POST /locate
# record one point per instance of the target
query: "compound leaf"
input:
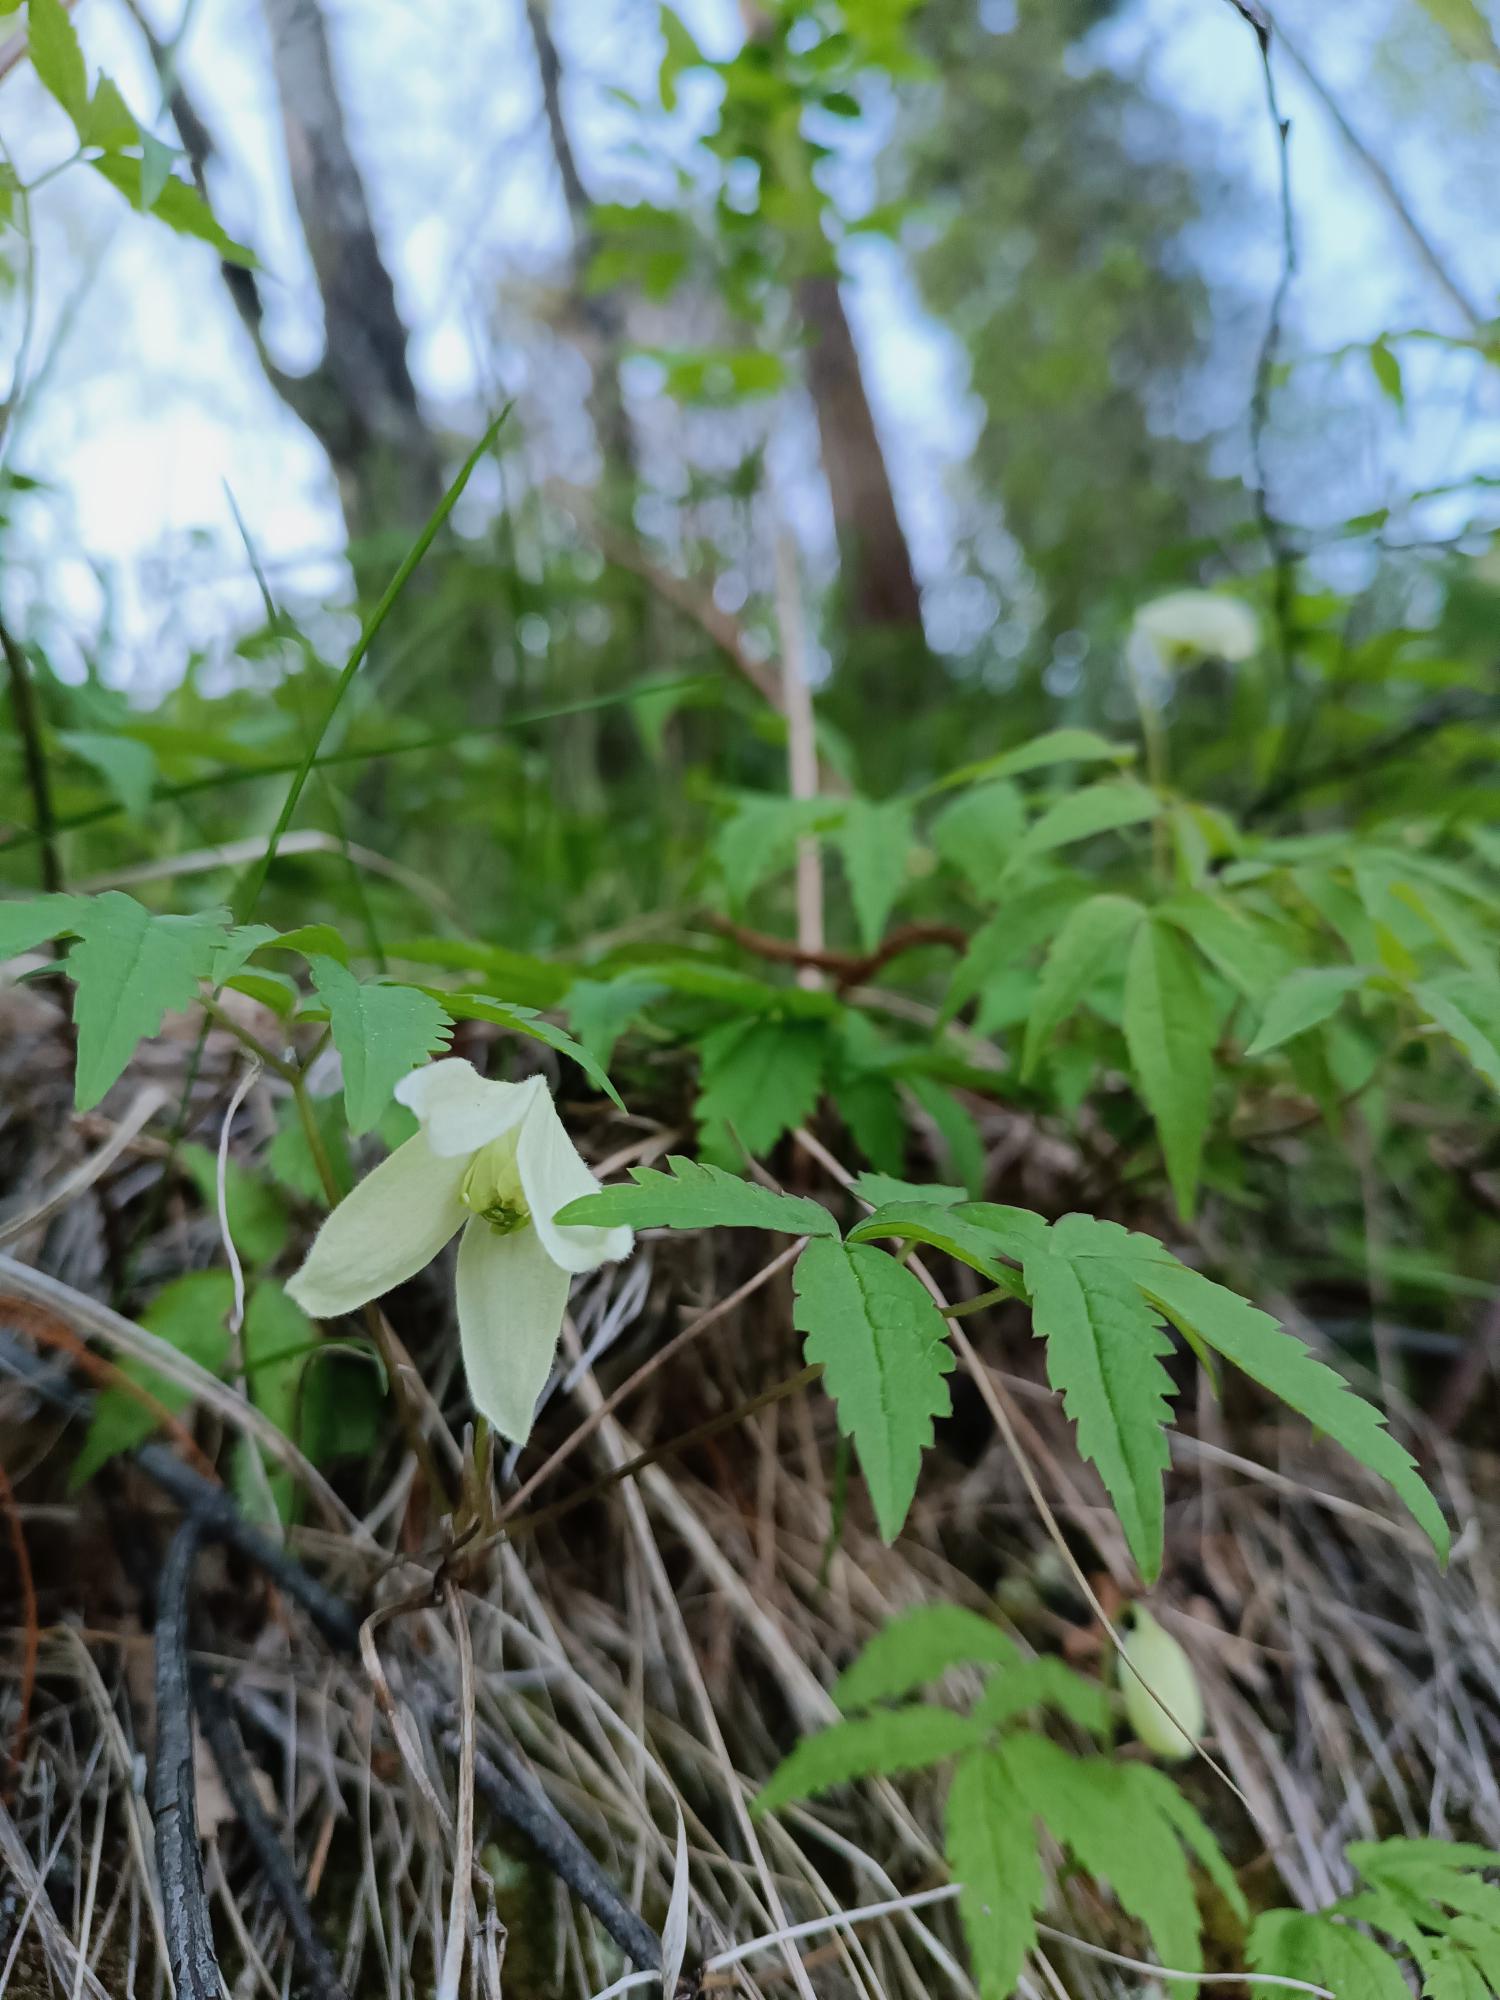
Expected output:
(882, 1343)
(879, 1745)
(1170, 1029)
(917, 1648)
(759, 1078)
(1104, 1352)
(1081, 950)
(992, 1849)
(381, 1033)
(130, 969)
(693, 1196)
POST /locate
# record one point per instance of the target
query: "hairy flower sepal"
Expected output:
(492, 1160)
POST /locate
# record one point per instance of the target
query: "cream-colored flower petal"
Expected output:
(511, 1300)
(1199, 624)
(394, 1222)
(552, 1175)
(459, 1109)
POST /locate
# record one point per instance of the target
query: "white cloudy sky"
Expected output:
(151, 410)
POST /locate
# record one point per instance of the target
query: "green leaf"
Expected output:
(1170, 1030)
(1112, 1824)
(979, 833)
(600, 1010)
(157, 162)
(127, 767)
(526, 1021)
(57, 57)
(23, 926)
(1421, 1862)
(870, 1105)
(942, 1227)
(177, 204)
(992, 1850)
(1466, 1010)
(309, 941)
(1081, 951)
(533, 982)
(1194, 1834)
(1045, 1683)
(874, 841)
(1024, 922)
(1292, 1944)
(1104, 1352)
(681, 53)
(883, 1346)
(1265, 1352)
(919, 1647)
(759, 1079)
(1017, 1232)
(190, 1312)
(1465, 22)
(879, 1745)
(1302, 1001)
(1105, 808)
(959, 1135)
(879, 1189)
(1057, 746)
(257, 1219)
(1253, 954)
(109, 122)
(381, 1033)
(762, 836)
(131, 969)
(276, 990)
(690, 1196)
(1385, 366)
(237, 949)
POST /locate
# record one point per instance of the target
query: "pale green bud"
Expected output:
(1168, 1672)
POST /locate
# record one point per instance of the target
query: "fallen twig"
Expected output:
(564, 1853)
(174, 1801)
(223, 1736)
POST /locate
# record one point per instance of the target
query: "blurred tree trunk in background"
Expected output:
(359, 402)
(387, 461)
(879, 589)
(598, 320)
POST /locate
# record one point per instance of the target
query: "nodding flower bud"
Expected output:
(1167, 1672)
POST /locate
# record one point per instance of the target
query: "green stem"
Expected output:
(51, 173)
(222, 1018)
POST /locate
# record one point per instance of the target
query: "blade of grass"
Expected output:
(245, 903)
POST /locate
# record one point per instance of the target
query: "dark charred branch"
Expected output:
(513, 1795)
(174, 1799)
(224, 1742)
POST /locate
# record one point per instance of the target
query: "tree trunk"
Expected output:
(387, 461)
(598, 319)
(879, 588)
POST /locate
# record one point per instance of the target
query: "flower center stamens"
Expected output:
(492, 1187)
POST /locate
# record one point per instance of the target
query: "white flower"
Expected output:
(493, 1160)
(1192, 625)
